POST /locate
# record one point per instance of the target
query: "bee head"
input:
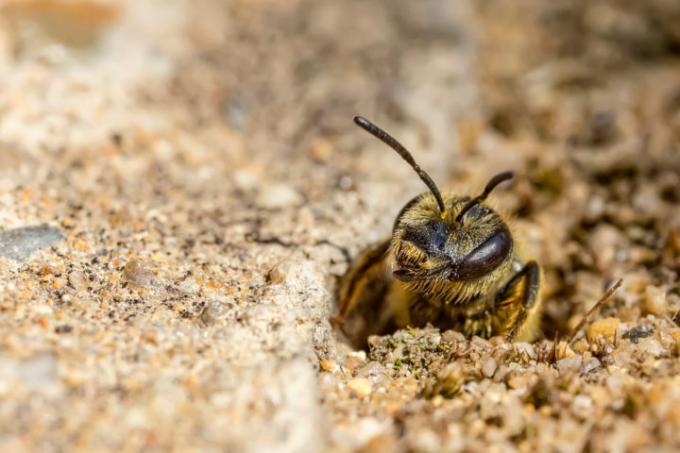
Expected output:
(457, 239)
(454, 248)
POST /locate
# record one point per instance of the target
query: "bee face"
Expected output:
(430, 246)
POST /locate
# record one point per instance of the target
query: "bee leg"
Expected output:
(361, 295)
(521, 296)
(480, 324)
(354, 281)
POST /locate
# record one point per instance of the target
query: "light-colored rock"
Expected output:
(603, 328)
(489, 367)
(655, 300)
(361, 387)
(569, 364)
(278, 196)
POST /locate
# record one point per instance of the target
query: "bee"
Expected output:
(451, 261)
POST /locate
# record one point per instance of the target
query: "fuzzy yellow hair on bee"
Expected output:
(451, 261)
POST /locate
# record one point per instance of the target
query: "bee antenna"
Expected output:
(403, 152)
(493, 182)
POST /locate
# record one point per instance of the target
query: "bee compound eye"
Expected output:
(486, 257)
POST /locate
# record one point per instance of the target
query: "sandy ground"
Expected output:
(180, 184)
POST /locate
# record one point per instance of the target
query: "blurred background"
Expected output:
(198, 162)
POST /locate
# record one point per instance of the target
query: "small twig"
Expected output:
(553, 353)
(607, 295)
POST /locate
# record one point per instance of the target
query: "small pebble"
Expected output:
(78, 280)
(569, 364)
(330, 366)
(525, 350)
(448, 381)
(655, 300)
(277, 274)
(58, 283)
(361, 387)
(605, 327)
(246, 180)
(137, 275)
(380, 443)
(590, 365)
(19, 243)
(359, 355)
(517, 381)
(651, 347)
(582, 405)
(580, 346)
(278, 196)
(354, 360)
(212, 312)
(489, 367)
(189, 286)
(322, 150)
